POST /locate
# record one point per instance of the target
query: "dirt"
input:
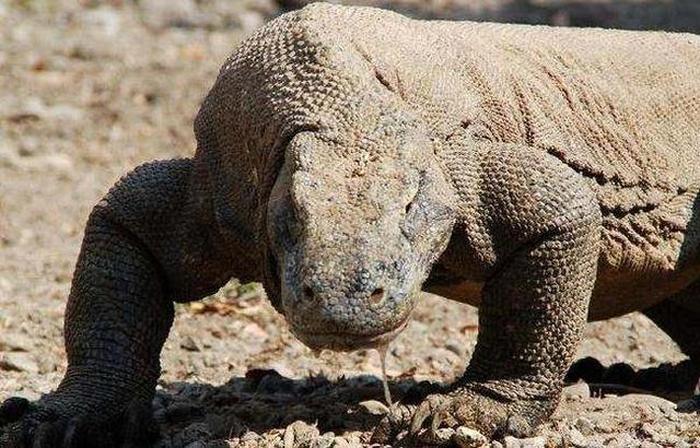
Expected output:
(92, 89)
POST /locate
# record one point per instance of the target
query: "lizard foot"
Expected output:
(664, 377)
(689, 406)
(24, 424)
(441, 419)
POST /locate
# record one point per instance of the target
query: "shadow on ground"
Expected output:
(265, 402)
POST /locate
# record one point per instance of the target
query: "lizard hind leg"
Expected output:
(679, 318)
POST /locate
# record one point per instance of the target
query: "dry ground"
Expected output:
(89, 90)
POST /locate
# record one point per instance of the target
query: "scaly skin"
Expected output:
(348, 157)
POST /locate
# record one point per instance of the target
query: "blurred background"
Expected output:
(90, 89)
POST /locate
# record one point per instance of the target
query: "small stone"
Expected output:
(18, 362)
(585, 426)
(374, 407)
(533, 442)
(575, 438)
(325, 441)
(511, 442)
(518, 427)
(655, 436)
(577, 391)
(466, 437)
(299, 433)
(648, 444)
(496, 444)
(353, 439)
(444, 435)
(648, 400)
(339, 442)
(553, 439)
(623, 440)
(249, 436)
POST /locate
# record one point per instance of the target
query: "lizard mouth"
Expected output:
(345, 342)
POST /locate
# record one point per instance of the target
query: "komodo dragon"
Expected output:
(348, 157)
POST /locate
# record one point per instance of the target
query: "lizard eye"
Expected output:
(290, 229)
(286, 228)
(411, 222)
(411, 204)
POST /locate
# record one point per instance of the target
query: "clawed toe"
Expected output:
(431, 423)
(434, 421)
(28, 425)
(689, 406)
(47, 434)
(431, 407)
(462, 417)
(139, 428)
(395, 422)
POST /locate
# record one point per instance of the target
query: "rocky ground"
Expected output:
(91, 89)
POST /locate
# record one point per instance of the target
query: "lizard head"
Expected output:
(354, 226)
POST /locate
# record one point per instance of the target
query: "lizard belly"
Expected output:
(615, 293)
(459, 290)
(621, 292)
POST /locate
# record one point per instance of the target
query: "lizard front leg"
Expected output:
(533, 226)
(142, 249)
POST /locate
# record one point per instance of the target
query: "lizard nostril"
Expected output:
(308, 292)
(377, 296)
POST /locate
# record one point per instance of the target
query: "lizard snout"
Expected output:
(351, 308)
(376, 298)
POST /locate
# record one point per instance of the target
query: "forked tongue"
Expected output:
(382, 350)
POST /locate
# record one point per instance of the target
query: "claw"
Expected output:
(70, 436)
(422, 413)
(689, 406)
(437, 419)
(139, 427)
(383, 433)
(26, 425)
(517, 426)
(392, 424)
(426, 409)
(47, 435)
